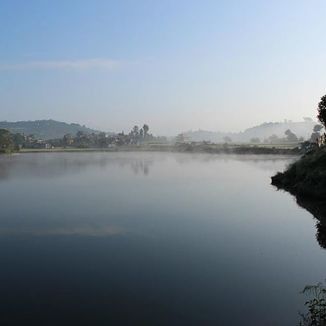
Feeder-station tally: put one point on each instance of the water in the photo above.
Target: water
(151, 239)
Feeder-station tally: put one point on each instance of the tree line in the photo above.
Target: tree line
(12, 142)
(136, 136)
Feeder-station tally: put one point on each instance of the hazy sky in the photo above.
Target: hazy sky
(177, 65)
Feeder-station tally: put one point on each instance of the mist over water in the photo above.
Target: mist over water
(152, 238)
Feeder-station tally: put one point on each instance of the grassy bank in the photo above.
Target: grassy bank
(7, 151)
(183, 147)
(306, 177)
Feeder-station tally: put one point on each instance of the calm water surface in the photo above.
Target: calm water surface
(151, 239)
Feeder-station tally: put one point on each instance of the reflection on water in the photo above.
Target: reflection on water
(315, 305)
(151, 239)
(58, 164)
(318, 210)
(321, 234)
(315, 314)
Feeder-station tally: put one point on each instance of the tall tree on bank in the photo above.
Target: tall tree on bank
(145, 128)
(322, 111)
(6, 142)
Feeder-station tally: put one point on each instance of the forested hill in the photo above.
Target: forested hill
(45, 129)
(262, 132)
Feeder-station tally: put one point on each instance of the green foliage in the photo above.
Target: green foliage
(44, 129)
(139, 135)
(18, 139)
(306, 177)
(316, 305)
(6, 142)
(102, 140)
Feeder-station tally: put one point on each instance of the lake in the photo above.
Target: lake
(152, 239)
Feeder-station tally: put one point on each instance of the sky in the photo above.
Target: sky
(176, 65)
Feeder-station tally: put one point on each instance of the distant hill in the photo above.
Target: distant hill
(263, 131)
(45, 129)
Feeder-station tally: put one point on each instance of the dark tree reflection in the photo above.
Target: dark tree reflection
(315, 314)
(318, 210)
(321, 234)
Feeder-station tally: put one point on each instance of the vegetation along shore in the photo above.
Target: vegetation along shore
(30, 137)
(306, 178)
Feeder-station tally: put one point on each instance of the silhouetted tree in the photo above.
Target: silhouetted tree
(227, 139)
(145, 128)
(290, 136)
(321, 234)
(322, 111)
(135, 131)
(18, 139)
(6, 141)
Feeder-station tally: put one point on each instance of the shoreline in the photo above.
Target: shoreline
(180, 148)
(305, 178)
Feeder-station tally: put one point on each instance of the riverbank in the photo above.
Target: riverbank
(306, 178)
(183, 148)
(7, 151)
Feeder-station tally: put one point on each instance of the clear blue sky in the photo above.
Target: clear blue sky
(177, 65)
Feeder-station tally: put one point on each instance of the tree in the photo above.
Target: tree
(145, 128)
(6, 141)
(18, 139)
(255, 140)
(322, 111)
(290, 136)
(134, 135)
(135, 130)
(67, 139)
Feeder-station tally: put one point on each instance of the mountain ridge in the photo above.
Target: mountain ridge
(263, 131)
(45, 129)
